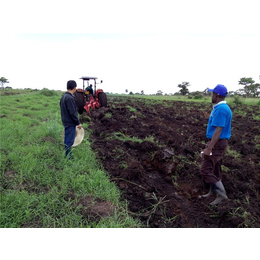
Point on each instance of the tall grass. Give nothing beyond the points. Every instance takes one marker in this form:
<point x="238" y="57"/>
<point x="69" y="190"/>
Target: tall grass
<point x="37" y="180"/>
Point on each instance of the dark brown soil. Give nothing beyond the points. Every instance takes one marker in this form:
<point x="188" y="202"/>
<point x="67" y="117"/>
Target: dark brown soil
<point x="151" y="150"/>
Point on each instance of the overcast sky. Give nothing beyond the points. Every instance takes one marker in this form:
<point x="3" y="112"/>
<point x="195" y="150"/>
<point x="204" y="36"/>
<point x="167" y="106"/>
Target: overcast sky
<point x="138" y="45"/>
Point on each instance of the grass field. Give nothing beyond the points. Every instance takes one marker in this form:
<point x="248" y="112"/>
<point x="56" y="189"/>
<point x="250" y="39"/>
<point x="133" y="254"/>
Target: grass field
<point x="207" y="99"/>
<point x="36" y="180"/>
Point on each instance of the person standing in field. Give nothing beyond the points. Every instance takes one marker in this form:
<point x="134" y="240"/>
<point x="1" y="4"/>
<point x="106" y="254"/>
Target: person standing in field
<point x="69" y="116"/>
<point x="219" y="132"/>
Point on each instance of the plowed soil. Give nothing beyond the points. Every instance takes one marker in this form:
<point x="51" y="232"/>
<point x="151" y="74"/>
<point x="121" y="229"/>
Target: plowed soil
<point x="151" y="150"/>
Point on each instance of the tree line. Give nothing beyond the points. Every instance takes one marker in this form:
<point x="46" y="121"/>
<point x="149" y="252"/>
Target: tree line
<point x="249" y="89"/>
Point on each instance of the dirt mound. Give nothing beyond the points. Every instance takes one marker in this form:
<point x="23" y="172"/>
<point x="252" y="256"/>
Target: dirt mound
<point x="91" y="208"/>
<point x="96" y="209"/>
<point x="151" y="149"/>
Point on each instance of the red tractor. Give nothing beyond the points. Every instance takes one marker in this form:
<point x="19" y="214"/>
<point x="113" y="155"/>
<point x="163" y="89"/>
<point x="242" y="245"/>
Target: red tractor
<point x="88" y="98"/>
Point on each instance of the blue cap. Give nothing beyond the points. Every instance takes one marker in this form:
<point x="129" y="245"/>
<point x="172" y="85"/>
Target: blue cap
<point x="219" y="89"/>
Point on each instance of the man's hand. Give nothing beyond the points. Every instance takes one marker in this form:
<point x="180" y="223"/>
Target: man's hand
<point x="207" y="151"/>
<point x="79" y="126"/>
<point x="213" y="141"/>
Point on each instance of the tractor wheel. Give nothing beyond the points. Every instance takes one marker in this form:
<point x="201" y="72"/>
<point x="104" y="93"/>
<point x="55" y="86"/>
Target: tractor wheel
<point x="80" y="101"/>
<point x="102" y="97"/>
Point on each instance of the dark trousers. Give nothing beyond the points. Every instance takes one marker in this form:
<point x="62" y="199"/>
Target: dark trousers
<point x="70" y="134"/>
<point x="211" y="165"/>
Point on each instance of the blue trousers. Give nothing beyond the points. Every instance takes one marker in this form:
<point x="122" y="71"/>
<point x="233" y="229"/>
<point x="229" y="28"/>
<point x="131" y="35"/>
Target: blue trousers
<point x="70" y="134"/>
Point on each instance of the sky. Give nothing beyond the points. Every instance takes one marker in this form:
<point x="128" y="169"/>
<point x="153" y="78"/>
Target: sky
<point x="133" y="45"/>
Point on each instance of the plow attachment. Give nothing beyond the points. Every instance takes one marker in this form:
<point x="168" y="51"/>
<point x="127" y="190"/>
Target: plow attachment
<point x="92" y="104"/>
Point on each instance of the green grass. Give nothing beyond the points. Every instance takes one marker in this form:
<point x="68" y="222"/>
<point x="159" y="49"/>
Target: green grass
<point x="236" y="155"/>
<point x="162" y="98"/>
<point x="204" y="99"/>
<point x="250" y="101"/>
<point x="131" y="109"/>
<point x="256" y="117"/>
<point x="36" y="179"/>
<point x="125" y="138"/>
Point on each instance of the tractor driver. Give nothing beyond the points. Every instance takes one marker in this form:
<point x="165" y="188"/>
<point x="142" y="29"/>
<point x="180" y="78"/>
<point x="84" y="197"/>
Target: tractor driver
<point x="89" y="89"/>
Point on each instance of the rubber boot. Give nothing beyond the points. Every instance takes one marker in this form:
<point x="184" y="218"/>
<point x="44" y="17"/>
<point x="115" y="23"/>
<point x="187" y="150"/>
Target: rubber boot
<point x="211" y="192"/>
<point x="221" y="193"/>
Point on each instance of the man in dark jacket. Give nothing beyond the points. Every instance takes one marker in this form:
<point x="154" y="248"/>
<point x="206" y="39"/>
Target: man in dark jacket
<point x="69" y="116"/>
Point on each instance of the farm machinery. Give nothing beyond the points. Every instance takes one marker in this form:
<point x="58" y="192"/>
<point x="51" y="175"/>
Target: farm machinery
<point x="89" y="99"/>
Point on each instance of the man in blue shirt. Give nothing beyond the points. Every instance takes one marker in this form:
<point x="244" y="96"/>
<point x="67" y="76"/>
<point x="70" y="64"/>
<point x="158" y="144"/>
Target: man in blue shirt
<point x="219" y="132"/>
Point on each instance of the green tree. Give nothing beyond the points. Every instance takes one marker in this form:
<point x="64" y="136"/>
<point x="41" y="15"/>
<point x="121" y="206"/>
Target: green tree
<point x="159" y="93"/>
<point x="257" y="85"/>
<point x="3" y="80"/>
<point x="250" y="87"/>
<point x="184" y="88"/>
